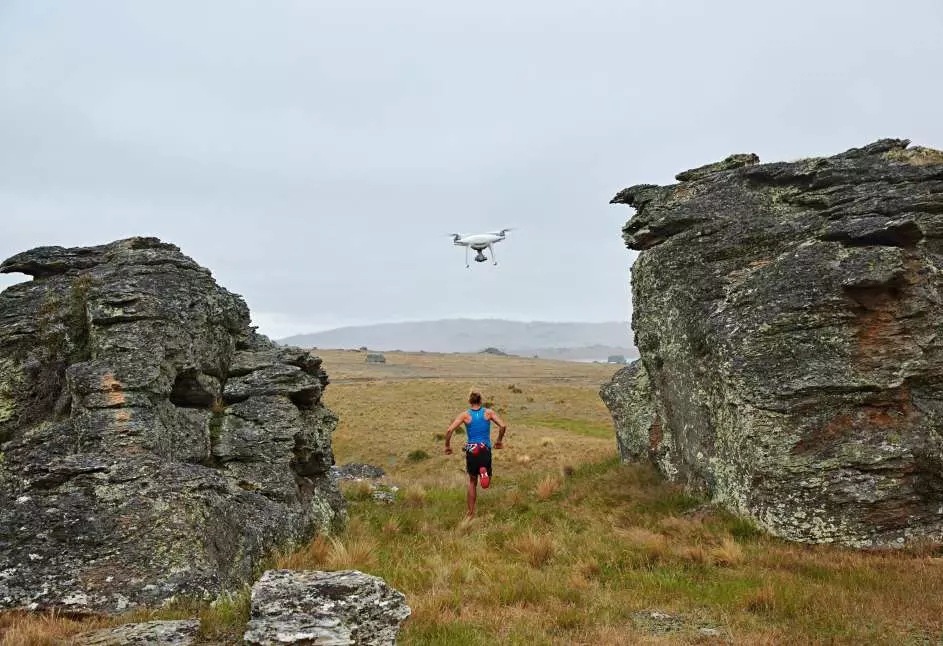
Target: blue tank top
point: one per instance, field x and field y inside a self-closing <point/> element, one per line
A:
<point x="479" y="428"/>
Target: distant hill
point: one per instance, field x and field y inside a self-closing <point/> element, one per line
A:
<point x="572" y="341"/>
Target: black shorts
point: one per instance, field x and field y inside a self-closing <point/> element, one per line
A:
<point x="473" y="463"/>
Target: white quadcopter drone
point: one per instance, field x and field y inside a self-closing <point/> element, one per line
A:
<point x="479" y="242"/>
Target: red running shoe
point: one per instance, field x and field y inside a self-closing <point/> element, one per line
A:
<point x="485" y="479"/>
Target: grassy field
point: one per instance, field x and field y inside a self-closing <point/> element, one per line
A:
<point x="569" y="546"/>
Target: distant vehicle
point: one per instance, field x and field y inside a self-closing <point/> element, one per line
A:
<point x="479" y="242"/>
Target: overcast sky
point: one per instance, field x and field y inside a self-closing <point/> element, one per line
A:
<point x="315" y="154"/>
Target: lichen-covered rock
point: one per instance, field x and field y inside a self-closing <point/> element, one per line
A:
<point x="153" y="444"/>
<point x="628" y="397"/>
<point x="181" y="632"/>
<point x="337" y="608"/>
<point x="789" y="321"/>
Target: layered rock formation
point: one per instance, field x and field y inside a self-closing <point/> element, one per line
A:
<point x="153" y="445"/>
<point x="790" y="326"/>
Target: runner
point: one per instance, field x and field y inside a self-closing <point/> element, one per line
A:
<point x="477" y="421"/>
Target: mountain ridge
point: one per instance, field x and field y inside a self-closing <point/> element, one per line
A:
<point x="564" y="339"/>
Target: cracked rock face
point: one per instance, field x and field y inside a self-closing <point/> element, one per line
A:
<point x="338" y="608"/>
<point x="153" y="445"/>
<point x="789" y="321"/>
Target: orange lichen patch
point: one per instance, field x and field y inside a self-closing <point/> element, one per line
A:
<point x="122" y="418"/>
<point x="655" y="434"/>
<point x="878" y="330"/>
<point x="113" y="389"/>
<point x="895" y="415"/>
<point x="891" y="514"/>
<point x="831" y="433"/>
<point x="881" y="326"/>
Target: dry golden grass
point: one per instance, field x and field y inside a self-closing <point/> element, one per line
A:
<point x="571" y="565"/>
<point x="41" y="629"/>
<point x="536" y="550"/>
<point x="548" y="487"/>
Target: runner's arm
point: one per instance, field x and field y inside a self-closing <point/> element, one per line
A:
<point x="448" y="434"/>
<point x="501" y="425"/>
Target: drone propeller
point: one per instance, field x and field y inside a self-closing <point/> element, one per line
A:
<point x="501" y="232"/>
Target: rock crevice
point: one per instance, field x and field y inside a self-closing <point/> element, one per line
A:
<point x="787" y="317"/>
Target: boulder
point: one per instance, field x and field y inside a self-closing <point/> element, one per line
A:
<point x="182" y="632"/>
<point x="629" y="398"/>
<point x="152" y="444"/>
<point x="357" y="471"/>
<point x="337" y="608"/>
<point x="788" y="317"/>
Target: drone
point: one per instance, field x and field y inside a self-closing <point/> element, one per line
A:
<point x="479" y="242"/>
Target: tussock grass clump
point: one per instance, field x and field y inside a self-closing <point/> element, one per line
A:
<point x="313" y="556"/>
<point x="536" y="550"/>
<point x="548" y="487"/>
<point x="356" y="553"/>
<point x="728" y="553"/>
<point x="417" y="456"/>
<point x="416" y="496"/>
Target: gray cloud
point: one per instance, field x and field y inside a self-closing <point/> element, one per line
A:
<point x="314" y="154"/>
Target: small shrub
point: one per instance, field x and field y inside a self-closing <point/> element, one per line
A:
<point x="547" y="441"/>
<point x="514" y="389"/>
<point x="438" y="437"/>
<point x="417" y="456"/>
<point x="568" y="471"/>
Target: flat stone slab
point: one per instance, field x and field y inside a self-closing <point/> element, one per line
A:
<point x="326" y="608"/>
<point x="150" y="633"/>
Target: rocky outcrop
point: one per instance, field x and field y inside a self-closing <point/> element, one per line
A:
<point x="309" y="607"/>
<point x="789" y="321"/>
<point x="153" y="445"/>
